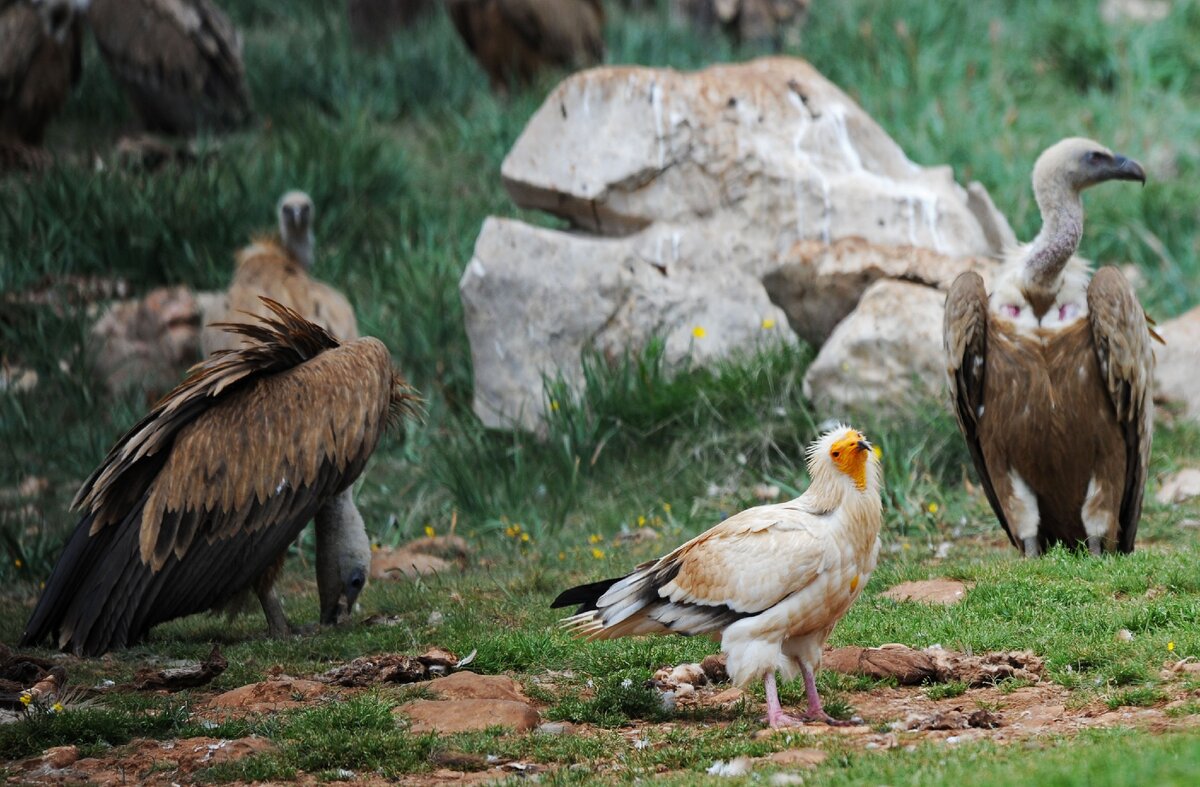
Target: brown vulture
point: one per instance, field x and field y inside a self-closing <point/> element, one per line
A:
<point x="39" y="63"/>
<point x="198" y="502"/>
<point x="1051" y="375"/>
<point x="180" y="61"/>
<point x="278" y="268"/>
<point x="514" y="39"/>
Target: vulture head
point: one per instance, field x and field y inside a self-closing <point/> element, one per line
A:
<point x="296" y="214"/>
<point x="842" y="459"/>
<point x="343" y="558"/>
<point x="56" y="16"/>
<point x="1076" y="163"/>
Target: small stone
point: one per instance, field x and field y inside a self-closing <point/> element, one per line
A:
<point x="556" y="728"/>
<point x="1179" y="487"/>
<point x="450" y="716"/>
<point x="61" y="756"/>
<point x="928" y="591"/>
<point x="1125" y="635"/>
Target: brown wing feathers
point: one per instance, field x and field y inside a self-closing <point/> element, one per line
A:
<point x="1121" y="336"/>
<point x="966" y="327"/>
<point x="205" y="493"/>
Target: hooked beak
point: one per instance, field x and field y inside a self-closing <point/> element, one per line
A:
<point x="1126" y="169"/>
<point x="863" y="445"/>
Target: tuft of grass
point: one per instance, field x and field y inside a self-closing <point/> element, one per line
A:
<point x="945" y="691"/>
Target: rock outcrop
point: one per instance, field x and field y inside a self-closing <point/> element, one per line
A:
<point x="1175" y="375"/>
<point x="685" y="190"/>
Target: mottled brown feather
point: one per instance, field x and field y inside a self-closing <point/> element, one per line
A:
<point x="179" y="60"/>
<point x="36" y="73"/>
<point x="264" y="269"/>
<point x="512" y="40"/>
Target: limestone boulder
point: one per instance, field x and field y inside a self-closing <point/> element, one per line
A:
<point x="886" y="355"/>
<point x="535" y="299"/>
<point x="148" y="343"/>
<point x="819" y="284"/>
<point x="774" y="148"/>
<point x="1176" y="380"/>
<point x="683" y="192"/>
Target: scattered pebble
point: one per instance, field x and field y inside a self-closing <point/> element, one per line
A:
<point x="736" y="767"/>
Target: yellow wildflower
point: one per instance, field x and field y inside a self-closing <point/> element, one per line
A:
<point x="905" y="546"/>
<point x="641" y="521"/>
<point x="375" y="547"/>
<point x="878" y="451"/>
<point x="666" y="508"/>
<point x="26" y="698"/>
<point x="429" y="531"/>
<point x="562" y="555"/>
<point x="595" y="538"/>
<point x="525" y="537"/>
<point x="698" y="332"/>
<point x="554" y="405"/>
<point x="57" y="707"/>
<point x="1171" y="646"/>
<point x="597" y="553"/>
<point x="768" y="324"/>
<point x="18" y="563"/>
<point x="932" y="508"/>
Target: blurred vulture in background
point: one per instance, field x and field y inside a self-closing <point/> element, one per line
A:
<point x="374" y="22"/>
<point x="199" y="501"/>
<point x="774" y="22"/>
<point x="180" y="62"/>
<point x="278" y="268"/>
<point x="39" y="63"/>
<point x="514" y="39"/>
<point x="1051" y="374"/>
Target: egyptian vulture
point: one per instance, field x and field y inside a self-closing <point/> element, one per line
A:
<point x="1050" y="376"/>
<point x="180" y="61"/>
<point x="514" y="39"/>
<point x="199" y="501"/>
<point x="278" y="268"/>
<point x="39" y="63"/>
<point x="769" y="583"/>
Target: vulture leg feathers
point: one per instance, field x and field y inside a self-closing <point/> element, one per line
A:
<point x="1050" y="374"/>
<point x="201" y="498"/>
<point x="769" y="583"/>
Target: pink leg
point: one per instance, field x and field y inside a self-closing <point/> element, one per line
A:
<point x="815" y="710"/>
<point x="775" y="715"/>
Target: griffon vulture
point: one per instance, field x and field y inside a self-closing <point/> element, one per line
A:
<point x="278" y="268"/>
<point x="39" y="63"/>
<point x="180" y="61"/>
<point x="514" y="39"/>
<point x="1051" y="374"/>
<point x="199" y="501"/>
<point x="769" y="583"/>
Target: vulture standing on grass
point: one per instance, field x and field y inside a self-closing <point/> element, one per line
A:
<point x="514" y="39"/>
<point x="200" y="500"/>
<point x="1051" y="374"/>
<point x="180" y="61"/>
<point x="278" y="268"/>
<point x="769" y="583"/>
<point x="39" y="63"/>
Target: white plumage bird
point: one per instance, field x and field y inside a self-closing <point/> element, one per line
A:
<point x="768" y="583"/>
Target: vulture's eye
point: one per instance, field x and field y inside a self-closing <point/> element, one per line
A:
<point x="1097" y="157"/>
<point x="836" y="454"/>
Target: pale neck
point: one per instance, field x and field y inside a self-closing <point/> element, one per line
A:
<point x="337" y="525"/>
<point x="1062" y="228"/>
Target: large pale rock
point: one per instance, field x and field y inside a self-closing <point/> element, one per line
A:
<point x="886" y="355"/>
<point x="698" y="186"/>
<point x="780" y="153"/>
<point x="148" y="343"/>
<point x="818" y="284"/>
<point x="1175" y="376"/>
<point x="536" y="299"/>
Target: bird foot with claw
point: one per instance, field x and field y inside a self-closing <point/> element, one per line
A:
<point x="783" y="720"/>
<point x="824" y="718"/>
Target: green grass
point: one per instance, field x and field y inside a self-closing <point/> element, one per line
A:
<point x="401" y="151"/>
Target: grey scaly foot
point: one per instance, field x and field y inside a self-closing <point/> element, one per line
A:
<point x="1096" y="545"/>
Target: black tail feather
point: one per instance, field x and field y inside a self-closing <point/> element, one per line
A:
<point x="585" y="596"/>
